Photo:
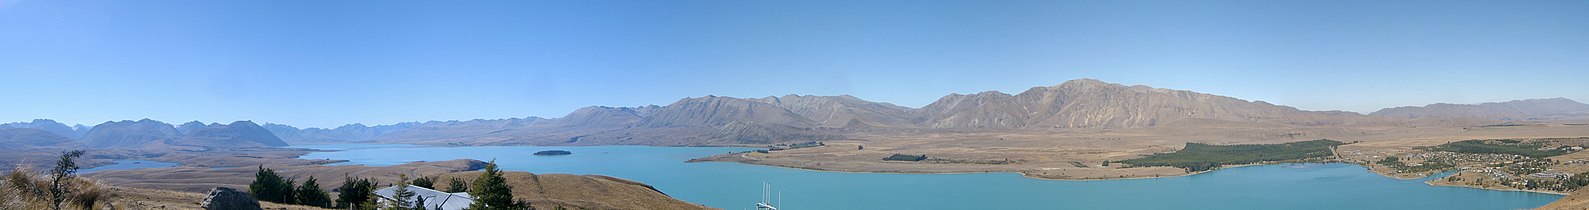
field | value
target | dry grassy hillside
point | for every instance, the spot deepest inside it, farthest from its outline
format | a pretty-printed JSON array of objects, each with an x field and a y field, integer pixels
[
  {"x": 544, "y": 191},
  {"x": 548, "y": 191},
  {"x": 1579, "y": 200}
]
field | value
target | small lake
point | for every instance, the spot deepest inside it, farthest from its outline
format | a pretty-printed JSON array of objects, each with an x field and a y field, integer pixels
[
  {"x": 738, "y": 186},
  {"x": 127, "y": 165}
]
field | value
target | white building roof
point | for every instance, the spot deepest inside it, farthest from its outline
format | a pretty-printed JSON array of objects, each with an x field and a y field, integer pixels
[{"x": 433, "y": 198}]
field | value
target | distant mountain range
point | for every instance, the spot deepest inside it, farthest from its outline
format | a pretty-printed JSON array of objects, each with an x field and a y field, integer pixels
[
  {"x": 716, "y": 120},
  {"x": 28, "y": 138},
  {"x": 74, "y": 132},
  {"x": 1506, "y": 111},
  {"x": 150, "y": 133}
]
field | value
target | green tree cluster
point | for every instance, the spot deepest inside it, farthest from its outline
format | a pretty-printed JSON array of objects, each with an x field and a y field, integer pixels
[
  {"x": 457, "y": 185},
  {"x": 425, "y": 182},
  {"x": 269, "y": 186},
  {"x": 904, "y": 157},
  {"x": 356, "y": 193},
  {"x": 1576, "y": 181},
  {"x": 1203, "y": 157},
  {"x": 1390, "y": 160},
  {"x": 1504, "y": 147}
]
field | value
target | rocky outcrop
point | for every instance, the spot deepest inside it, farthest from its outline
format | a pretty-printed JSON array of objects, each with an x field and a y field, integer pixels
[{"x": 222, "y": 198}]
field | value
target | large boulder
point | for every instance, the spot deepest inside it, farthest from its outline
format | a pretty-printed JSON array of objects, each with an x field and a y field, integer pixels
[{"x": 228, "y": 198}]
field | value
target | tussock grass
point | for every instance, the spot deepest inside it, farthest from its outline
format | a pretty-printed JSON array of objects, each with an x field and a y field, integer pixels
[{"x": 26, "y": 188}]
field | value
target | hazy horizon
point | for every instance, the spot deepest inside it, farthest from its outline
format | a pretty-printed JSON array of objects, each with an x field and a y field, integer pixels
[{"x": 326, "y": 64}]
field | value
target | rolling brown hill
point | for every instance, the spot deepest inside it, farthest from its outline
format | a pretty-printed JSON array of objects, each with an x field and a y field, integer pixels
[
  {"x": 33, "y": 138},
  {"x": 549, "y": 191},
  {"x": 1506, "y": 111}
]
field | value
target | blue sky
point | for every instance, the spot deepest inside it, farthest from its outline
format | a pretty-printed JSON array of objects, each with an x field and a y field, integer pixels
[{"x": 328, "y": 63}]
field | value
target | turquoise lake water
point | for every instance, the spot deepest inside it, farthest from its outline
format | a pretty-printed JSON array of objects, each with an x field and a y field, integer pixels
[
  {"x": 126, "y": 165},
  {"x": 738, "y": 186}
]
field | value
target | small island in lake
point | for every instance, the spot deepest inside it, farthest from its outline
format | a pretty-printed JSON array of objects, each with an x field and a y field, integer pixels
[{"x": 554, "y": 152}]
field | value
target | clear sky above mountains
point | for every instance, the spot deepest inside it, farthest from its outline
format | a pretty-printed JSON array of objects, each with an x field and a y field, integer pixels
[{"x": 327, "y": 63}]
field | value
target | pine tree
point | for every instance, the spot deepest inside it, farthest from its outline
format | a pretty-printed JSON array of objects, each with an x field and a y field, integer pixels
[
  {"x": 289, "y": 193},
  {"x": 419, "y": 203},
  {"x": 457, "y": 185},
  {"x": 356, "y": 194},
  {"x": 491, "y": 191},
  {"x": 401, "y": 195},
  {"x": 310, "y": 194}
]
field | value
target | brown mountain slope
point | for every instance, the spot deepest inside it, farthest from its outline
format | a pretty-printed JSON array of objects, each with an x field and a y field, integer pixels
[
  {"x": 981, "y": 110},
  {"x": 843, "y": 111},
  {"x": 712, "y": 111},
  {"x": 1087, "y": 103},
  {"x": 602, "y": 117}
]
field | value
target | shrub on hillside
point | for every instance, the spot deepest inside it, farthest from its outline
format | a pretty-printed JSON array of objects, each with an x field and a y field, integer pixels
[{"x": 25, "y": 188}]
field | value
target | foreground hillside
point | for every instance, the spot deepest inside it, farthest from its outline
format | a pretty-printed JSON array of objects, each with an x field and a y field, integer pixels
[
  {"x": 549, "y": 191},
  {"x": 543, "y": 191}
]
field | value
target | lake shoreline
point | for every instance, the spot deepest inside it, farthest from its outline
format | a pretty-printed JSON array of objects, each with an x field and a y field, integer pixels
[
  {"x": 1028, "y": 174},
  {"x": 1117, "y": 173},
  {"x": 739, "y": 157},
  {"x": 723, "y": 185}
]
